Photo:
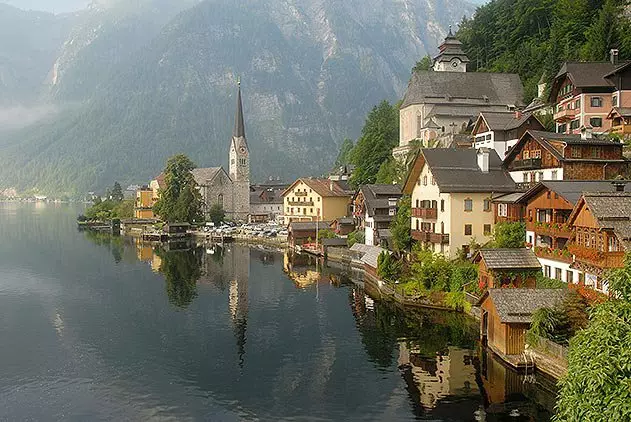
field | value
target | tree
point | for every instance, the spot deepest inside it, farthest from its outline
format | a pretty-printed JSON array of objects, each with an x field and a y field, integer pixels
[
  {"x": 596, "y": 387},
  {"x": 388, "y": 268},
  {"x": 357, "y": 236},
  {"x": 216, "y": 214},
  {"x": 344, "y": 156},
  {"x": 509, "y": 235},
  {"x": 379, "y": 135},
  {"x": 181, "y": 271},
  {"x": 400, "y": 227},
  {"x": 426, "y": 63},
  {"x": 326, "y": 234},
  {"x": 116, "y": 194},
  {"x": 180, "y": 200}
]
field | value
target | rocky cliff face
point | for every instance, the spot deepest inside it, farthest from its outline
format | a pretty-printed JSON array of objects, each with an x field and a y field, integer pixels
[{"x": 152, "y": 82}]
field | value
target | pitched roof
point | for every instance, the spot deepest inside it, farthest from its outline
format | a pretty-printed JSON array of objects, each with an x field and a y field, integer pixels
[
  {"x": 203, "y": 175},
  {"x": 518, "y": 305},
  {"x": 378, "y": 196},
  {"x": 323, "y": 187},
  {"x": 308, "y": 225},
  {"x": 587, "y": 74},
  {"x": 239, "y": 125},
  {"x": 504, "y": 120},
  {"x": 344, "y": 220},
  {"x": 612, "y": 211},
  {"x": 335, "y": 241},
  {"x": 620, "y": 111},
  {"x": 520, "y": 258},
  {"x": 512, "y": 198},
  {"x": 456, "y": 170},
  {"x": 572, "y": 190},
  {"x": 486, "y": 88}
]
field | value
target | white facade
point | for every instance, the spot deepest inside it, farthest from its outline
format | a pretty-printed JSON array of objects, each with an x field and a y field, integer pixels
[
  {"x": 530, "y": 176},
  {"x": 369, "y": 229},
  {"x": 487, "y": 140}
]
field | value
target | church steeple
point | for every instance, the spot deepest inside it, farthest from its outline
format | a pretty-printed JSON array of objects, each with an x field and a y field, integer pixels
[
  {"x": 239, "y": 126},
  {"x": 451, "y": 57},
  {"x": 239, "y": 151}
]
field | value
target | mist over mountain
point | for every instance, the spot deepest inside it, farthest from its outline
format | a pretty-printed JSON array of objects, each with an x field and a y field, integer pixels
[
  {"x": 135, "y": 82},
  {"x": 53, "y": 6}
]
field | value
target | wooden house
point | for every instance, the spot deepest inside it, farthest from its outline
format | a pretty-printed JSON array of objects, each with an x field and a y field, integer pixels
[
  {"x": 602, "y": 235},
  {"x": 300, "y": 233},
  {"x": 508, "y": 208},
  {"x": 507, "y": 267},
  {"x": 506, "y": 315},
  {"x": 343, "y": 226}
]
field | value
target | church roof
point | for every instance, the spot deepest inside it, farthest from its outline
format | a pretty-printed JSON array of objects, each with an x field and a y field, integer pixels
[
  {"x": 239, "y": 125},
  {"x": 451, "y": 48},
  {"x": 448, "y": 87},
  {"x": 204, "y": 175}
]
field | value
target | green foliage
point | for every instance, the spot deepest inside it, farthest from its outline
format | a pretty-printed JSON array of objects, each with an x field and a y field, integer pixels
[
  {"x": 388, "y": 267},
  {"x": 426, "y": 63},
  {"x": 544, "y": 282},
  {"x": 109, "y": 209},
  {"x": 357, "y": 236},
  {"x": 400, "y": 226},
  {"x": 596, "y": 387},
  {"x": 392, "y": 172},
  {"x": 431, "y": 271},
  {"x": 181, "y": 271},
  {"x": 379, "y": 135},
  {"x": 116, "y": 194},
  {"x": 344, "y": 156},
  {"x": 560, "y": 323},
  {"x": 326, "y": 234},
  {"x": 216, "y": 214},
  {"x": 509, "y": 235},
  {"x": 180, "y": 200}
]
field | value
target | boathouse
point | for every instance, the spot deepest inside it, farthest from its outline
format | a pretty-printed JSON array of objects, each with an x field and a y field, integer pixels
[
  {"x": 506, "y": 315},
  {"x": 507, "y": 267}
]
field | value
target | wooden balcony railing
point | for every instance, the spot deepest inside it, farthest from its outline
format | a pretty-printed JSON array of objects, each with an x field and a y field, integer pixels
[
  {"x": 427, "y": 213},
  {"x": 300, "y": 193},
  {"x": 527, "y": 164},
  {"x": 554, "y": 254},
  {"x": 624, "y": 129},
  {"x": 597, "y": 258},
  {"x": 566, "y": 114},
  {"x": 429, "y": 237},
  {"x": 550, "y": 229},
  {"x": 300, "y": 203}
]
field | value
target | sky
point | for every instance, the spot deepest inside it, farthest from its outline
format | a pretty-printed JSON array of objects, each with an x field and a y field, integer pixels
[{"x": 55, "y": 6}]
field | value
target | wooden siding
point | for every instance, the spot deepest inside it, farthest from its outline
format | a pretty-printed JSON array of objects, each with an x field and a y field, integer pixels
[
  {"x": 506, "y": 338},
  {"x": 515, "y": 338},
  {"x": 594, "y": 170},
  {"x": 531, "y": 145},
  {"x": 585, "y": 218}
]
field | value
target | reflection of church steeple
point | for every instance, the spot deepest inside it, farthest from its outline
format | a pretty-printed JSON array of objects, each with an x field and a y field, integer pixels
[{"x": 239, "y": 297}]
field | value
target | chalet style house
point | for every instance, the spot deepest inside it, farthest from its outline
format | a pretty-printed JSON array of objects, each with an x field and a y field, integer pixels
[
  {"x": 440, "y": 103},
  {"x": 554, "y": 156},
  {"x": 315, "y": 200},
  {"x": 451, "y": 193},
  {"x": 374, "y": 208},
  {"x": 602, "y": 234},
  {"x": 501, "y": 131},
  {"x": 515, "y": 267},
  {"x": 583, "y": 94}
]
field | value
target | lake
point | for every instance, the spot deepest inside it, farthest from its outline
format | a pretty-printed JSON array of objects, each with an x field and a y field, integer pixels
[{"x": 95, "y": 327}]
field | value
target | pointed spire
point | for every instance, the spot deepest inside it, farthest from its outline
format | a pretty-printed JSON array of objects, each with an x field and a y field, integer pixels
[
  {"x": 239, "y": 126},
  {"x": 450, "y": 33}
]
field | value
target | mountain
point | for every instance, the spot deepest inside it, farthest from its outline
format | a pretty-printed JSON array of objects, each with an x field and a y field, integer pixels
[
  {"x": 310, "y": 71},
  {"x": 52, "y": 6}
]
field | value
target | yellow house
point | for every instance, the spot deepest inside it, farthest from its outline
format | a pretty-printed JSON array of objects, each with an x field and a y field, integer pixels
[
  {"x": 451, "y": 192},
  {"x": 144, "y": 203},
  {"x": 315, "y": 200}
]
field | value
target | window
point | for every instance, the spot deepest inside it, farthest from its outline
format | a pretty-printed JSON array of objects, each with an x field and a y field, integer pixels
[
  {"x": 487, "y": 229},
  {"x": 562, "y": 128},
  {"x": 557, "y": 273},
  {"x": 417, "y": 224},
  {"x": 525, "y": 176},
  {"x": 548, "y": 195},
  {"x": 468, "y": 204},
  {"x": 424, "y": 180},
  {"x": 502, "y": 210},
  {"x": 547, "y": 271},
  {"x": 488, "y": 137},
  {"x": 442, "y": 205},
  {"x": 574, "y": 124},
  {"x": 555, "y": 174},
  {"x": 576, "y": 152},
  {"x": 540, "y": 176},
  {"x": 526, "y": 155},
  {"x": 487, "y": 205},
  {"x": 536, "y": 153},
  {"x": 596, "y": 122},
  {"x": 595, "y": 152},
  {"x": 577, "y": 104},
  {"x": 433, "y": 181},
  {"x": 318, "y": 199},
  {"x": 304, "y": 211},
  {"x": 418, "y": 182},
  {"x": 569, "y": 276},
  {"x": 287, "y": 210},
  {"x": 614, "y": 100},
  {"x": 596, "y": 102},
  {"x": 467, "y": 229},
  {"x": 292, "y": 210},
  {"x": 311, "y": 210}
]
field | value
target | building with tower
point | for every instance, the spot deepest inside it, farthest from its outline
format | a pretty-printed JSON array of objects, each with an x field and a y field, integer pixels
[
  {"x": 442, "y": 103},
  {"x": 229, "y": 189}
]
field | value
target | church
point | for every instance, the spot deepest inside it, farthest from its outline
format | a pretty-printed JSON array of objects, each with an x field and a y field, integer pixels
[{"x": 230, "y": 190}]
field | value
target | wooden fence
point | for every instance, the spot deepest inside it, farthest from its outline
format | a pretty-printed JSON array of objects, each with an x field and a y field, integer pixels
[{"x": 550, "y": 348}]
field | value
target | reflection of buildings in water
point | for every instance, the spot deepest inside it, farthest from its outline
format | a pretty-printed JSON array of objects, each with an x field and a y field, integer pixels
[
  {"x": 146, "y": 253},
  {"x": 435, "y": 378},
  {"x": 238, "y": 259},
  {"x": 305, "y": 270}
]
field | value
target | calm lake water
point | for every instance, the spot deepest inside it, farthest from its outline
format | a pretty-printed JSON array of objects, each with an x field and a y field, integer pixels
[{"x": 101, "y": 328}]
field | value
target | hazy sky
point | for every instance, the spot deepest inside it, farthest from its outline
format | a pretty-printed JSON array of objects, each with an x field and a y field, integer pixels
[{"x": 55, "y": 6}]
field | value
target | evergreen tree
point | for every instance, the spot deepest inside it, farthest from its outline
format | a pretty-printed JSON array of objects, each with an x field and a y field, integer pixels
[
  {"x": 216, "y": 214},
  {"x": 116, "y": 193},
  {"x": 344, "y": 156},
  {"x": 180, "y": 200},
  {"x": 400, "y": 227}
]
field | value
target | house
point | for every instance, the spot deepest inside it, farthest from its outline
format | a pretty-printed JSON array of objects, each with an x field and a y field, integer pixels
[
  {"x": 441, "y": 103},
  {"x": 266, "y": 202},
  {"x": 507, "y": 208},
  {"x": 315, "y": 200},
  {"x": 620, "y": 118},
  {"x": 506, "y": 315},
  {"x": 583, "y": 94},
  {"x": 303, "y": 232},
  {"x": 601, "y": 234},
  {"x": 506, "y": 267},
  {"x": 451, "y": 192},
  {"x": 342, "y": 226},
  {"x": 541, "y": 156},
  {"x": 374, "y": 208},
  {"x": 143, "y": 206},
  {"x": 501, "y": 130}
]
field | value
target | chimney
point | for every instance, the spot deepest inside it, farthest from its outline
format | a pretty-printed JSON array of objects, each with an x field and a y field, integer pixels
[
  {"x": 613, "y": 55},
  {"x": 587, "y": 132},
  {"x": 619, "y": 185},
  {"x": 518, "y": 114},
  {"x": 331, "y": 185},
  {"x": 483, "y": 159}
]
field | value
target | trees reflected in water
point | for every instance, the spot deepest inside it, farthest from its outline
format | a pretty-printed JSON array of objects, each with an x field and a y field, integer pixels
[{"x": 181, "y": 270}]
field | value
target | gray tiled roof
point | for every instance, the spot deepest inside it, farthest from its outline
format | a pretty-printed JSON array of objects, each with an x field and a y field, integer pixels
[
  {"x": 487, "y": 88},
  {"x": 612, "y": 211},
  {"x": 378, "y": 195},
  {"x": 571, "y": 139},
  {"x": 588, "y": 74},
  {"x": 509, "y": 197},
  {"x": 504, "y": 121},
  {"x": 456, "y": 170},
  {"x": 309, "y": 225},
  {"x": 572, "y": 190},
  {"x": 203, "y": 175},
  {"x": 344, "y": 220},
  {"x": 518, "y": 305},
  {"x": 372, "y": 255},
  {"x": 518, "y": 258}
]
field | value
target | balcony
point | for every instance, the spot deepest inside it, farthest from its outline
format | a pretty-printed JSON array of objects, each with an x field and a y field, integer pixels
[
  {"x": 300, "y": 193},
  {"x": 566, "y": 114},
  {"x": 427, "y": 213},
  {"x": 428, "y": 237},
  {"x": 527, "y": 164},
  {"x": 554, "y": 254},
  {"x": 300, "y": 203},
  {"x": 597, "y": 258},
  {"x": 623, "y": 129},
  {"x": 550, "y": 229}
]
